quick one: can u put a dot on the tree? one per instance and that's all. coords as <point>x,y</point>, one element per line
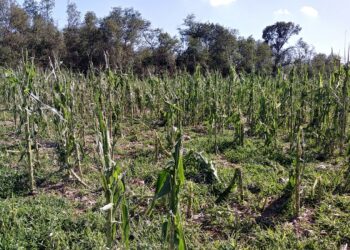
<point>72,37</point>
<point>4,9</point>
<point>122,31</point>
<point>263,63</point>
<point>4,17</point>
<point>4,27</point>
<point>159,52</point>
<point>276,36</point>
<point>303,52</point>
<point>32,8</point>
<point>91,42</point>
<point>196,51</point>
<point>46,7</point>
<point>45,40</point>
<point>325,65</point>
<point>210,45</point>
<point>318,63</point>
<point>247,50</point>
<point>223,48</point>
<point>73,15</point>
<point>14,35</point>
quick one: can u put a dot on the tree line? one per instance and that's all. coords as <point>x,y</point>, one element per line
<point>125,41</point>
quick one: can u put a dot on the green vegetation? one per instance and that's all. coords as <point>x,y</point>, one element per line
<point>104,159</point>
<point>132,44</point>
<point>115,135</point>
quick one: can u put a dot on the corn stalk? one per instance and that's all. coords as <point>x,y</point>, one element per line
<point>169,184</point>
<point>113,183</point>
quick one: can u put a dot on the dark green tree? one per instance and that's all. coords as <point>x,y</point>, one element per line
<point>44,41</point>
<point>318,63</point>
<point>72,39</point>
<point>210,45</point>
<point>277,36</point>
<point>122,31</point>
<point>15,31</point>
<point>264,62</point>
<point>91,39</point>
<point>248,52</point>
<point>159,52</point>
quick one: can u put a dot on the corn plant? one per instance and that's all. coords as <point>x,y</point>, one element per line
<point>298,172</point>
<point>169,184</point>
<point>10,93</point>
<point>344,109</point>
<point>172,122</point>
<point>113,183</point>
<point>68,150</point>
<point>190,200</point>
<point>27,109</point>
<point>318,189</point>
<point>344,186</point>
<point>19,89</point>
<point>238,127</point>
<point>199,168</point>
<point>237,180</point>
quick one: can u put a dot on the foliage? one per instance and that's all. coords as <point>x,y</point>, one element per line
<point>278,139</point>
<point>170,182</point>
<point>132,45</point>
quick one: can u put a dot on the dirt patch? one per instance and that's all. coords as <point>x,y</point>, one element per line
<point>85,200</point>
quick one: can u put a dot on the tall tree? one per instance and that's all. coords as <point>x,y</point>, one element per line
<point>4,29</point>
<point>72,37</point>
<point>159,54</point>
<point>91,39</point>
<point>5,5</point>
<point>303,52</point>
<point>318,63</point>
<point>196,51</point>
<point>45,40</point>
<point>46,8</point>
<point>122,32</point>
<point>15,34</point>
<point>31,7</point>
<point>277,36</point>
<point>264,61</point>
<point>207,44</point>
<point>4,16</point>
<point>247,50</point>
<point>73,15</point>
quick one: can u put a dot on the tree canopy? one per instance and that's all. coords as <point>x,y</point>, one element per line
<point>277,36</point>
<point>130,43</point>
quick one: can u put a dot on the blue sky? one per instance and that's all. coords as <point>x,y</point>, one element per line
<point>325,23</point>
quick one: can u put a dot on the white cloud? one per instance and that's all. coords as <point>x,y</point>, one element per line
<point>282,12</point>
<point>216,3</point>
<point>309,11</point>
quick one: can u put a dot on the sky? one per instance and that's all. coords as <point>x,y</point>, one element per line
<point>325,23</point>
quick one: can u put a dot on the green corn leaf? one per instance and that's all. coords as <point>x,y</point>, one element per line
<point>180,170</point>
<point>179,234</point>
<point>162,187</point>
<point>125,223</point>
<point>165,230</point>
<point>232,184</point>
<point>104,182</point>
<point>116,172</point>
<point>163,184</point>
